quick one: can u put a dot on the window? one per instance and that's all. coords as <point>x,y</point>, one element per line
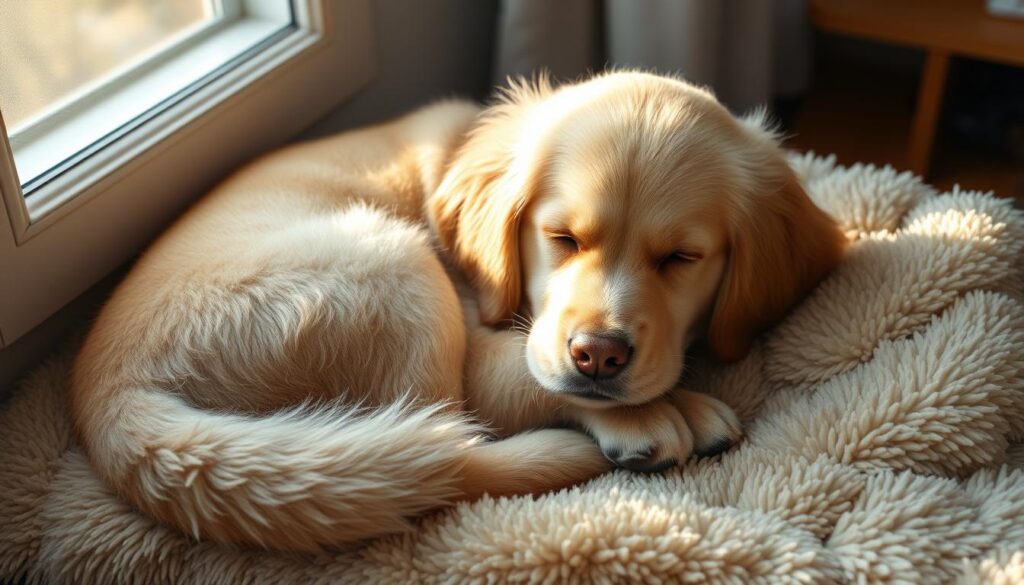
<point>74,82</point>
<point>118,113</point>
<point>79,50</point>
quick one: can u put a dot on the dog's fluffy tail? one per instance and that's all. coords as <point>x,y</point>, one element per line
<point>310,477</point>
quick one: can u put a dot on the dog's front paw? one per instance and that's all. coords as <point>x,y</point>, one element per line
<point>714,425</point>
<point>648,438</point>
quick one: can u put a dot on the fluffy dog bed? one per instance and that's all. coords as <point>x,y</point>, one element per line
<point>881,417</point>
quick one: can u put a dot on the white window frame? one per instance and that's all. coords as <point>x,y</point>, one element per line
<point>66,131</point>
<point>225,12</point>
<point>81,224</point>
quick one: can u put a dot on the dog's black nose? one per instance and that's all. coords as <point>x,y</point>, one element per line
<point>599,356</point>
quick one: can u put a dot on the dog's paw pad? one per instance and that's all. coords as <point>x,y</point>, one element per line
<point>646,460</point>
<point>647,465</point>
<point>714,447</point>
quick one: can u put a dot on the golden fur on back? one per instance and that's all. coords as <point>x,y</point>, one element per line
<point>292,364</point>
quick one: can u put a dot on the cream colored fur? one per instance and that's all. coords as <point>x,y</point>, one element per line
<point>885,421</point>
<point>302,283</point>
<point>285,366</point>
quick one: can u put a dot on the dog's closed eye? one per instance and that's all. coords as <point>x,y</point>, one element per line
<point>565,242</point>
<point>678,258</point>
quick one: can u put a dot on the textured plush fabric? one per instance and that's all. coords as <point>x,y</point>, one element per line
<point>883,423</point>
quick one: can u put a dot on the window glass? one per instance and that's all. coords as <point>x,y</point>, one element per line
<point>53,49</point>
<point>78,75</point>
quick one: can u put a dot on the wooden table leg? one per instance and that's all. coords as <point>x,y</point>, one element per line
<point>929,103</point>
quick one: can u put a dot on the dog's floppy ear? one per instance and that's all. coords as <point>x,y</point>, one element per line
<point>476,209</point>
<point>781,246</point>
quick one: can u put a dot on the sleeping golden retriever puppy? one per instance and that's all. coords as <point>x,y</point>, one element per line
<point>298,363</point>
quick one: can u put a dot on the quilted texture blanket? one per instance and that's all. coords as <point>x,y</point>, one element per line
<point>884,418</point>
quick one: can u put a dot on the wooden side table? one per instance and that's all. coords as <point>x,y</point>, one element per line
<point>942,28</point>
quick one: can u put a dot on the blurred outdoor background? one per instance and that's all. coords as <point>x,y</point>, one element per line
<point>50,50</point>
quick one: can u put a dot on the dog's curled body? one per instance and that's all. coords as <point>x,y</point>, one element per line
<point>298,363</point>
<point>217,389</point>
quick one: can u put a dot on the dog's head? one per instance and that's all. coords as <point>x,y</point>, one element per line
<point>628,215</point>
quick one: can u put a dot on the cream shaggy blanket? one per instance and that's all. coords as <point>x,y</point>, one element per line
<point>881,421</point>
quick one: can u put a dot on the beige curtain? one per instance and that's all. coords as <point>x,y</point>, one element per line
<point>748,51</point>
